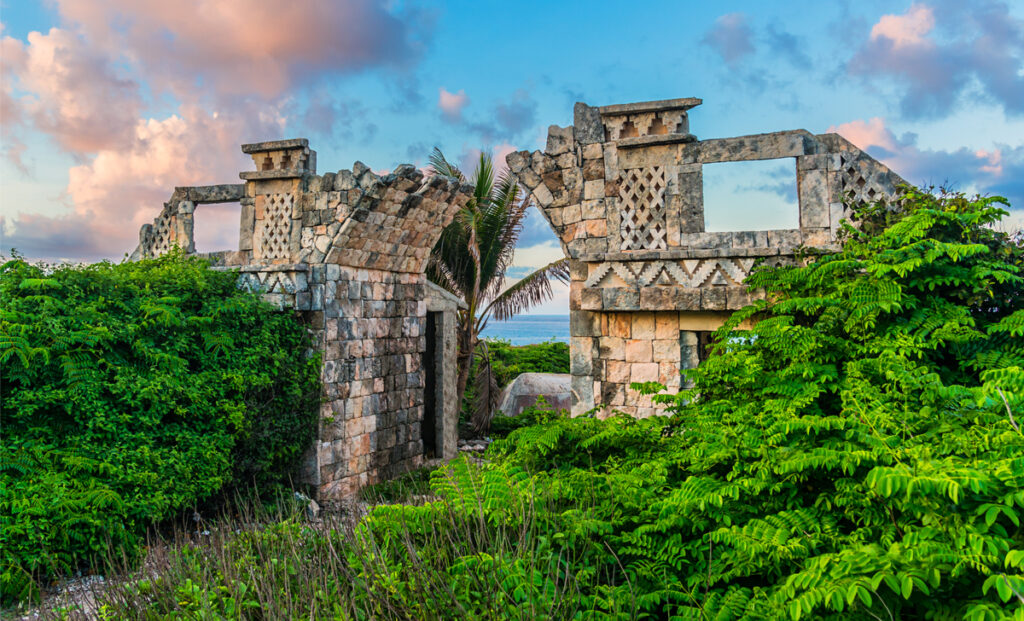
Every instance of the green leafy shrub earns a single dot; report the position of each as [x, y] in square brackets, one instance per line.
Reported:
[857, 455]
[130, 392]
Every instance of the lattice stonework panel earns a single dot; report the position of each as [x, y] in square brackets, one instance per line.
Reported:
[276, 227]
[642, 208]
[161, 240]
[860, 183]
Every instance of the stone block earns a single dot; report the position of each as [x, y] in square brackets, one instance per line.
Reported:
[665, 349]
[593, 151]
[543, 196]
[593, 169]
[656, 298]
[612, 348]
[785, 238]
[813, 192]
[517, 160]
[593, 209]
[590, 299]
[587, 126]
[620, 299]
[737, 297]
[597, 228]
[560, 140]
[713, 298]
[620, 325]
[594, 189]
[643, 326]
[617, 371]
[666, 326]
[644, 372]
[580, 359]
[638, 350]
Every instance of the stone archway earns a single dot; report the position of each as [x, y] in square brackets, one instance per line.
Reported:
[347, 250]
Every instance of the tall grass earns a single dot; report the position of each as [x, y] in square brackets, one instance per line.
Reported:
[436, 560]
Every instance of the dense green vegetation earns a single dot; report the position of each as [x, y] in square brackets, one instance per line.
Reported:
[129, 393]
[507, 361]
[857, 454]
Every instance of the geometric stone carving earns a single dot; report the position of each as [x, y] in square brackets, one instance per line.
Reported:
[863, 181]
[642, 208]
[272, 241]
[693, 273]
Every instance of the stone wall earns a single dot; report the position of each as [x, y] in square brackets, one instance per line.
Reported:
[623, 190]
[348, 251]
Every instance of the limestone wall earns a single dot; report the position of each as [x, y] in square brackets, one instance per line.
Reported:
[623, 190]
[348, 251]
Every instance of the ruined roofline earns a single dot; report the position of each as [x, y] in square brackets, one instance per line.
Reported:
[684, 103]
[275, 145]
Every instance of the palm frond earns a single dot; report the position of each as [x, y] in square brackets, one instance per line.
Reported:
[487, 391]
[528, 292]
[441, 166]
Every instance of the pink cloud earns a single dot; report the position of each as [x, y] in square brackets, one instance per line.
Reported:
[451, 104]
[905, 30]
[71, 92]
[238, 47]
[866, 134]
[122, 188]
[937, 60]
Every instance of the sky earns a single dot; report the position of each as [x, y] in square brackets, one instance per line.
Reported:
[106, 105]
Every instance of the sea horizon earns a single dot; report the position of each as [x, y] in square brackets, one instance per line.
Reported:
[529, 329]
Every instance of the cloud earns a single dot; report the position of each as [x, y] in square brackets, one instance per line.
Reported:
[68, 91]
[451, 104]
[238, 47]
[516, 113]
[787, 46]
[122, 188]
[999, 171]
[730, 37]
[983, 56]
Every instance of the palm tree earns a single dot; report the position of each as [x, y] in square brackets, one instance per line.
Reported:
[470, 259]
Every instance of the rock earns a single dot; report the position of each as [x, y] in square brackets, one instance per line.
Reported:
[523, 391]
[559, 140]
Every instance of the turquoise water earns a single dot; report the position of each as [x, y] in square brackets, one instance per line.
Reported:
[526, 329]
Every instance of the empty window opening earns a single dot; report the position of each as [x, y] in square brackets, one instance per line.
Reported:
[431, 360]
[751, 196]
[215, 226]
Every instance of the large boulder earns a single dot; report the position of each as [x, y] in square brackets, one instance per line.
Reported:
[522, 392]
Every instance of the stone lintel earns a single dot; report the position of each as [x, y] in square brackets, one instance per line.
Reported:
[651, 106]
[210, 194]
[275, 145]
[791, 143]
[259, 175]
[654, 139]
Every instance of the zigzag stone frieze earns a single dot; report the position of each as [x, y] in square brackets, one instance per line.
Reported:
[686, 272]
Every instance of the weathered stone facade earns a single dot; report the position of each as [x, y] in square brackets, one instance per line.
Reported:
[623, 190]
[348, 251]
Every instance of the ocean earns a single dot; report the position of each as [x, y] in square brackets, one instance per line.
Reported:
[527, 329]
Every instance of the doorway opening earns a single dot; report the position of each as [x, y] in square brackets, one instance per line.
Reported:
[428, 426]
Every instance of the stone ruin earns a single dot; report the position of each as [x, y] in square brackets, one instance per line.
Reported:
[623, 190]
[347, 251]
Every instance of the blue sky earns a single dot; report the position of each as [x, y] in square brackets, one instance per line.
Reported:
[107, 104]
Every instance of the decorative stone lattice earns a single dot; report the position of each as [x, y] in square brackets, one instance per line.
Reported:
[642, 205]
[861, 181]
[161, 236]
[276, 227]
[645, 124]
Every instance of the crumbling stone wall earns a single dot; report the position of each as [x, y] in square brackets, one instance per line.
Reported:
[348, 251]
[623, 190]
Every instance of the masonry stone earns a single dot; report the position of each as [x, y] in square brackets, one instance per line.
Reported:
[347, 251]
[628, 209]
